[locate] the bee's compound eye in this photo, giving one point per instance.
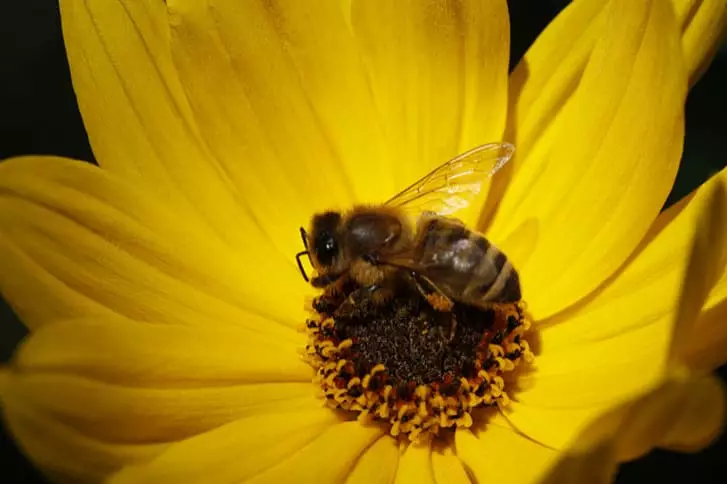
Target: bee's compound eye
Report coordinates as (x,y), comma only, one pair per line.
(326,248)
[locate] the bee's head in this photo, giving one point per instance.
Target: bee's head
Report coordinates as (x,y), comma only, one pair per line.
(323,246)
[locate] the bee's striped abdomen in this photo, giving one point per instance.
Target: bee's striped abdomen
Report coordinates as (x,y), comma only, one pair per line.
(465,264)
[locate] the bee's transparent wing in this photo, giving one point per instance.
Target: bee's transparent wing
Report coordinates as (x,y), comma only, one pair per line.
(453,185)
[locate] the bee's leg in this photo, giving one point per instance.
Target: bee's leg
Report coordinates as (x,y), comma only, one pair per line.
(452,328)
(413,280)
(357,298)
(500,307)
(436,298)
(332,297)
(381,295)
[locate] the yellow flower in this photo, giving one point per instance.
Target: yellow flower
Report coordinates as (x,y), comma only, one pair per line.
(161,288)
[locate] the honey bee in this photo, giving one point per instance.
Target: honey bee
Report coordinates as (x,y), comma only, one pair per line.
(378,245)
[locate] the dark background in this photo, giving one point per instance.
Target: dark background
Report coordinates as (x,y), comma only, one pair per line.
(38,115)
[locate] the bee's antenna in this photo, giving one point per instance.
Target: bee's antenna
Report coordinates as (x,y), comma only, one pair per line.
(304,236)
(300,264)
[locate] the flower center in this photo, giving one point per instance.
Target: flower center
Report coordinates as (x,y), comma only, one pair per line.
(403,362)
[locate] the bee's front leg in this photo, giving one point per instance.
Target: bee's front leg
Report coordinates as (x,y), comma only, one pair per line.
(374,293)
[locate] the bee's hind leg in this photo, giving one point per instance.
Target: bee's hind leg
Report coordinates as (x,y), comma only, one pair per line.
(381,295)
(435,297)
(500,307)
(374,293)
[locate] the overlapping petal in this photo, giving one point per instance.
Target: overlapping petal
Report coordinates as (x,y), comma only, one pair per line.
(87,243)
(703,24)
(271,453)
(285,108)
(447,467)
(353,113)
(617,343)
(136,114)
(700,418)
(137,354)
(115,392)
(595,176)
(659,416)
(125,414)
(684,412)
(499,454)
(415,465)
(66,454)
(707,264)
(434,106)
(705,346)
(673,409)
(237,451)
(378,463)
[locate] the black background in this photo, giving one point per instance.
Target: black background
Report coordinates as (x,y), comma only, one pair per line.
(39,115)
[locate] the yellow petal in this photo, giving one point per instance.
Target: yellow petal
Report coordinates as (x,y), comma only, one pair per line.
(439,76)
(447,467)
(699,420)
(236,451)
(132,414)
(703,24)
(707,263)
(660,415)
(498,454)
(706,349)
(706,345)
(596,466)
(571,386)
(377,464)
(136,354)
(284,105)
(300,145)
(415,465)
(647,420)
(62,451)
(136,113)
(599,171)
(546,77)
(610,347)
(87,243)
(328,459)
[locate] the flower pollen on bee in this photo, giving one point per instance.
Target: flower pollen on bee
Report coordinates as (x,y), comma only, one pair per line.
(396,363)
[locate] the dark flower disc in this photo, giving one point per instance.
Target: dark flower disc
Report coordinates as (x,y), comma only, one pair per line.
(406,363)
